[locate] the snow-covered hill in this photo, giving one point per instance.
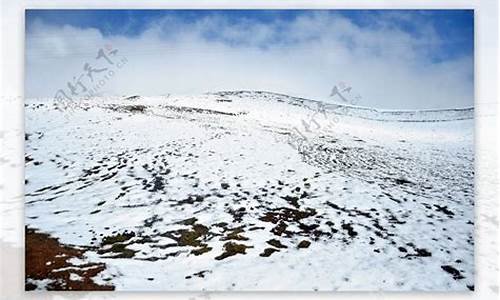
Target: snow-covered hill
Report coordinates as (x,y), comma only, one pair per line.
(255,191)
(430,115)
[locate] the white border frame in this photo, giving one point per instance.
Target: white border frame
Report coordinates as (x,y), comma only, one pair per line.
(12,142)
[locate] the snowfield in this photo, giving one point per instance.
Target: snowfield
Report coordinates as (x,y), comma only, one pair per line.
(255,191)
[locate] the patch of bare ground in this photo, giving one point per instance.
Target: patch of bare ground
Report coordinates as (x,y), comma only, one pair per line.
(46,258)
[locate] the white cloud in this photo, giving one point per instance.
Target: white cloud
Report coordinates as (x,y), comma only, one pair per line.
(387,66)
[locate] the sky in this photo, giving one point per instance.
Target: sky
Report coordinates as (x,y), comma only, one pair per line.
(391,59)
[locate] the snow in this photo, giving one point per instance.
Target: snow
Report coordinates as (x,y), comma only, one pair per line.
(75,277)
(385,198)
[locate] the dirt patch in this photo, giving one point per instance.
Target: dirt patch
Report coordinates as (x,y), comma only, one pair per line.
(276,243)
(268,251)
(117,238)
(304,244)
(185,109)
(46,258)
(454,272)
(117,250)
(287,214)
(128,108)
(231,249)
(235,234)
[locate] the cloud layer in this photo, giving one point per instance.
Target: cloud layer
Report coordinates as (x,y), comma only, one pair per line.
(389,67)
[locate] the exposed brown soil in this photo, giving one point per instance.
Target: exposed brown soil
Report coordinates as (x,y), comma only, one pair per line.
(45,256)
(232,249)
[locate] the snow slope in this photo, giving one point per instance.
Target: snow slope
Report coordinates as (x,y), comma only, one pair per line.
(255,191)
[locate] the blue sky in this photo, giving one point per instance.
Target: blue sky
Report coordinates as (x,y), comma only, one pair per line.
(456,25)
(414,41)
